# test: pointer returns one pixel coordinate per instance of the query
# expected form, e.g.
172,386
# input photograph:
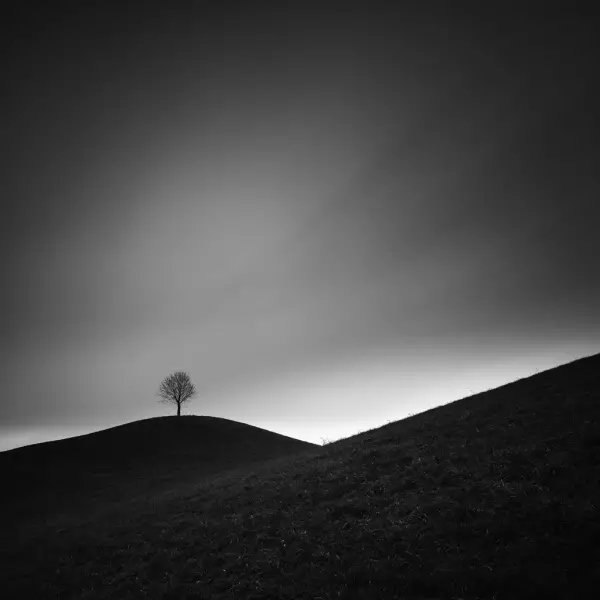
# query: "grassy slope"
87,476
494,496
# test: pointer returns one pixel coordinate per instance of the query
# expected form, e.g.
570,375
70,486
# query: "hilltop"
88,474
492,496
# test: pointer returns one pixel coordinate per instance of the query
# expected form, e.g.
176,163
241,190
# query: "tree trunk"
178,409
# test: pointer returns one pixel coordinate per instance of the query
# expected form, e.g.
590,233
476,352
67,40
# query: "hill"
90,474
493,496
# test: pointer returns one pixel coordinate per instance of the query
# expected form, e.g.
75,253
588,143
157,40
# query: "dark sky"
330,217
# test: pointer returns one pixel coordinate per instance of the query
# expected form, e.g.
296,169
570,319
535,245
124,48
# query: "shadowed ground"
91,474
493,496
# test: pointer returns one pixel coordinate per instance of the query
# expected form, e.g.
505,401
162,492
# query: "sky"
330,215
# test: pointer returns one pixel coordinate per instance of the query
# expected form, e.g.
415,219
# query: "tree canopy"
176,389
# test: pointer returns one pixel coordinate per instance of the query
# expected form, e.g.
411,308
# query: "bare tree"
177,388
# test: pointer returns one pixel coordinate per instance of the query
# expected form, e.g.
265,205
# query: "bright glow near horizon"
342,403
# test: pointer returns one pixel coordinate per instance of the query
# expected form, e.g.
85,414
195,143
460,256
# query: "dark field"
494,496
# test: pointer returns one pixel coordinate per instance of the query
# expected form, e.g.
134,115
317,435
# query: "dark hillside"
523,410
496,496
87,473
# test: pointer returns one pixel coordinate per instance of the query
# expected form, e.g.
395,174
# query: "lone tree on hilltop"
177,388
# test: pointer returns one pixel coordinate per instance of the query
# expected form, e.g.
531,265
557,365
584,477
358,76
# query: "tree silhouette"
177,388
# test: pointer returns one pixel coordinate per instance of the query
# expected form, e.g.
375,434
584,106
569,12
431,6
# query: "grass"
494,496
88,476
